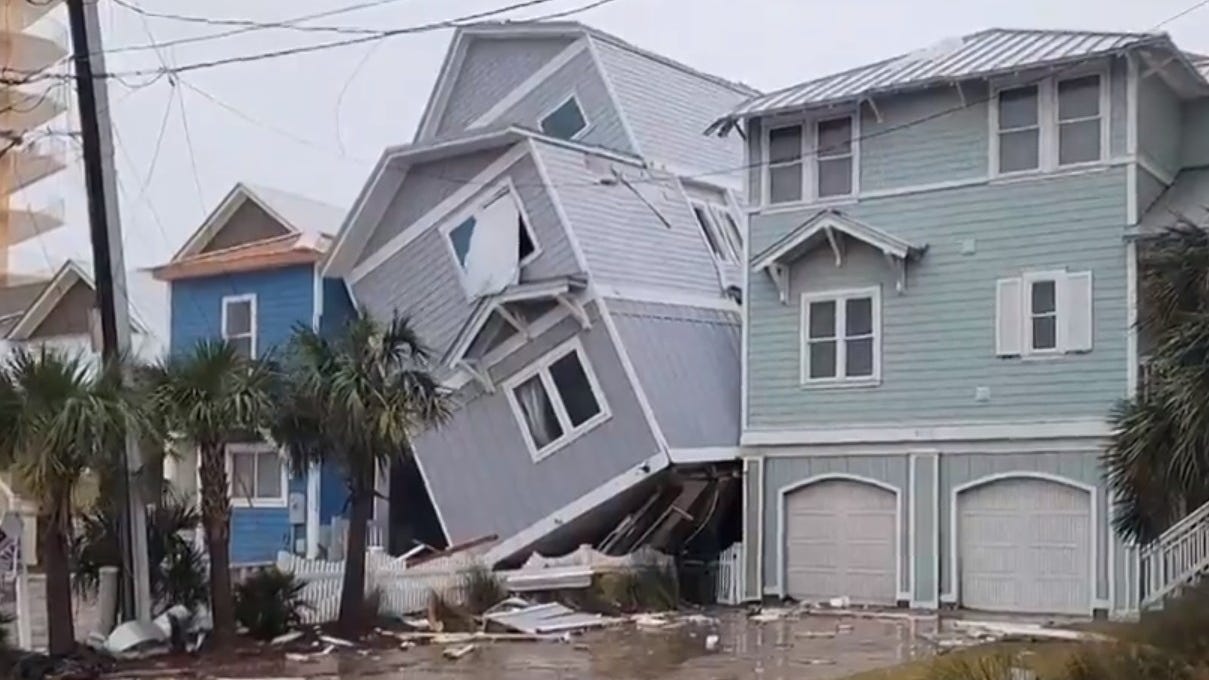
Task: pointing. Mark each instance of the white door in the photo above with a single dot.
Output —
(1025, 546)
(840, 539)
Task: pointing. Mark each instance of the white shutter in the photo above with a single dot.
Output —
(492, 260)
(1074, 312)
(1009, 317)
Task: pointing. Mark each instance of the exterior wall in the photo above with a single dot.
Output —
(1195, 137)
(422, 279)
(1149, 190)
(668, 107)
(424, 188)
(580, 77)
(248, 223)
(624, 241)
(482, 476)
(284, 297)
(338, 308)
(687, 360)
(490, 69)
(1160, 120)
(938, 337)
(257, 534)
(71, 316)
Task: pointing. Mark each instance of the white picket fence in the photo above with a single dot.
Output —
(730, 575)
(401, 591)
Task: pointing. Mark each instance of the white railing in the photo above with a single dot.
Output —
(1176, 559)
(730, 575)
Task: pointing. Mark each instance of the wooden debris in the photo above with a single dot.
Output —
(456, 653)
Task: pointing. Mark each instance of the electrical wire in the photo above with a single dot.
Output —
(249, 24)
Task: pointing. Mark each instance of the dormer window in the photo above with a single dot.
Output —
(1054, 124)
(566, 121)
(811, 161)
(720, 230)
(491, 241)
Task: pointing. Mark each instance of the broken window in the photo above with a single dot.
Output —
(721, 234)
(239, 323)
(557, 399)
(565, 122)
(492, 244)
(257, 474)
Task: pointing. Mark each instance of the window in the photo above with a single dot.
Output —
(495, 225)
(239, 323)
(257, 474)
(721, 233)
(1049, 125)
(565, 122)
(841, 339)
(556, 400)
(831, 144)
(834, 157)
(1043, 313)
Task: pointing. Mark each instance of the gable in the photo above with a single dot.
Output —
(71, 316)
(489, 70)
(247, 224)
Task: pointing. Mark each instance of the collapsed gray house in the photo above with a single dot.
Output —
(569, 245)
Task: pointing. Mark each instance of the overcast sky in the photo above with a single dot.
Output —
(315, 123)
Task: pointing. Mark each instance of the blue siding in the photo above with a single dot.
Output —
(285, 297)
(257, 534)
(333, 493)
(338, 308)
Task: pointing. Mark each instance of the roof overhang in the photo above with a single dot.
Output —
(218, 218)
(64, 279)
(561, 290)
(828, 227)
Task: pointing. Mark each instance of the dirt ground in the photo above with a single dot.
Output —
(811, 648)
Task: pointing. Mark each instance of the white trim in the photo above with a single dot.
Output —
(1131, 318)
(760, 585)
(954, 594)
(745, 317)
(541, 368)
(544, 323)
(486, 196)
(316, 298)
(245, 501)
(748, 541)
(530, 84)
(936, 501)
(314, 484)
(436, 505)
(1131, 104)
(990, 447)
(218, 218)
(665, 296)
(628, 367)
(840, 298)
(828, 222)
(969, 431)
(705, 454)
(608, 83)
(1057, 277)
(912, 458)
(254, 332)
(808, 157)
(1048, 124)
(899, 498)
(437, 214)
(575, 509)
(583, 113)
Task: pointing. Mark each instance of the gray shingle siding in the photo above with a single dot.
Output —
(623, 240)
(491, 69)
(687, 360)
(668, 109)
(1160, 121)
(425, 186)
(938, 338)
(480, 472)
(422, 279)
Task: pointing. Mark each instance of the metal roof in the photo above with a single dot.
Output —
(984, 53)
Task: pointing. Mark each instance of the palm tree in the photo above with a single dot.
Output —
(357, 400)
(1157, 463)
(59, 419)
(210, 397)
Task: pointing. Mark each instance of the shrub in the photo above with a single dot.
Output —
(974, 667)
(1180, 627)
(269, 603)
(1125, 662)
(484, 589)
(446, 616)
(635, 590)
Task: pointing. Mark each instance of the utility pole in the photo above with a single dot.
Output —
(105, 227)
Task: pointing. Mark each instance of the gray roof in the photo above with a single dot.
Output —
(304, 214)
(1187, 198)
(981, 54)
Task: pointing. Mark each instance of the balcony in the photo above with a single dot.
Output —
(24, 54)
(26, 224)
(17, 15)
(23, 109)
(25, 165)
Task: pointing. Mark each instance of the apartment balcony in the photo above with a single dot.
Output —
(23, 109)
(24, 54)
(25, 165)
(17, 15)
(30, 223)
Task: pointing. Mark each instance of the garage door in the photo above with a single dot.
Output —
(840, 539)
(1025, 546)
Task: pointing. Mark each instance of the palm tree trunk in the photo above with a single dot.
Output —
(60, 626)
(352, 591)
(216, 518)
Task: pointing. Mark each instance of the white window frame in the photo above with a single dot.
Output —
(1047, 120)
(810, 160)
(840, 297)
(583, 113)
(541, 367)
(1058, 278)
(721, 232)
(254, 331)
(241, 499)
(473, 206)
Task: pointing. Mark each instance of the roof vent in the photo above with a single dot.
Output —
(933, 52)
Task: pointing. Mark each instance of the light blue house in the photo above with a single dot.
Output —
(249, 275)
(560, 238)
(941, 290)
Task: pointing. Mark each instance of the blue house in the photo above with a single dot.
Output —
(249, 275)
(942, 287)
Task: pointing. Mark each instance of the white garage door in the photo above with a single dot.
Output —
(1025, 546)
(840, 539)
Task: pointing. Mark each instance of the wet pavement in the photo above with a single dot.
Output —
(807, 648)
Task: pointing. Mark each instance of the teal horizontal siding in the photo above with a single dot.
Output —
(938, 337)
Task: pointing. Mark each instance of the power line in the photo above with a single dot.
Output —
(250, 25)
